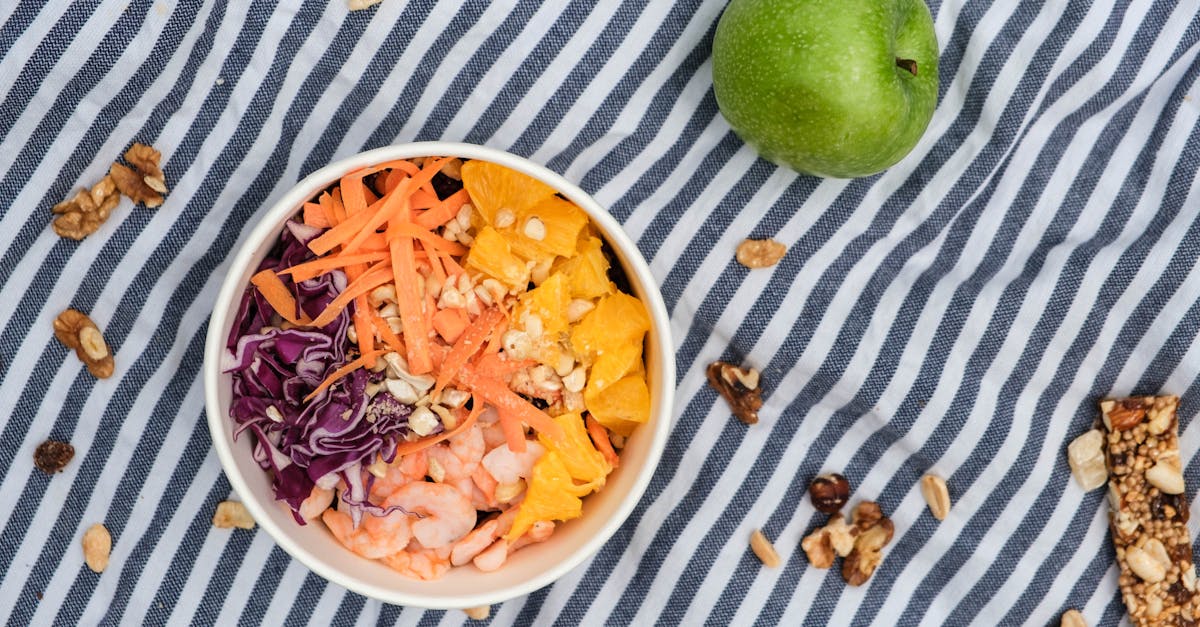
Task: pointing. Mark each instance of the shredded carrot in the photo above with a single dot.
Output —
(422, 199)
(341, 372)
(369, 194)
(379, 274)
(407, 448)
(416, 337)
(443, 211)
(435, 263)
(409, 229)
(394, 204)
(512, 408)
(279, 297)
(363, 329)
(469, 343)
(493, 366)
(354, 192)
(314, 215)
(381, 327)
(600, 439)
(337, 207)
(452, 267)
(321, 265)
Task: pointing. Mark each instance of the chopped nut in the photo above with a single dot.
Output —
(422, 421)
(232, 514)
(147, 184)
(506, 492)
(483, 611)
(937, 495)
(763, 548)
(83, 214)
(505, 218)
(818, 546)
(841, 535)
(578, 308)
(1085, 455)
(829, 492)
(1166, 476)
(861, 563)
(575, 380)
(435, 470)
(52, 456)
(535, 229)
(1123, 417)
(378, 467)
(866, 515)
(97, 546)
(1072, 618)
(732, 383)
(1150, 561)
(76, 331)
(760, 253)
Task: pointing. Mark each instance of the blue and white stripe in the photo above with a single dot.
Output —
(960, 312)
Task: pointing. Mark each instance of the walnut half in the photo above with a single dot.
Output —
(739, 387)
(75, 330)
(83, 214)
(147, 184)
(875, 531)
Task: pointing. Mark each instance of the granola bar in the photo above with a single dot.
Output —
(1149, 511)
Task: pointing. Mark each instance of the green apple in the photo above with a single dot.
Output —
(838, 88)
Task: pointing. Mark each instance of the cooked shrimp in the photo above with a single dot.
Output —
(539, 532)
(459, 456)
(317, 502)
(506, 466)
(422, 564)
(479, 500)
(474, 543)
(448, 514)
(493, 434)
(403, 470)
(376, 537)
(492, 557)
(486, 484)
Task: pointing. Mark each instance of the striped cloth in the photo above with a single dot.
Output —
(960, 313)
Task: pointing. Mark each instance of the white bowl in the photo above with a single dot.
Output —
(526, 570)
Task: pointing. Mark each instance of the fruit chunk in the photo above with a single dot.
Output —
(581, 459)
(620, 406)
(587, 272)
(494, 187)
(490, 254)
(552, 495)
(548, 302)
(561, 222)
(618, 319)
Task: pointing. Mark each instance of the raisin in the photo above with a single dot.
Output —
(52, 456)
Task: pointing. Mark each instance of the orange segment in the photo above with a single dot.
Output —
(494, 187)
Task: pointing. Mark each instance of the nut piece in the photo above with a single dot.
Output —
(739, 387)
(866, 515)
(829, 492)
(483, 611)
(763, 548)
(357, 5)
(1072, 618)
(1150, 561)
(818, 547)
(760, 253)
(1086, 458)
(858, 567)
(232, 514)
(82, 215)
(52, 456)
(147, 184)
(841, 535)
(1166, 476)
(97, 545)
(75, 330)
(937, 495)
(1124, 415)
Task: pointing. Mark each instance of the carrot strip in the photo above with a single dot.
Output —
(416, 337)
(467, 345)
(422, 199)
(363, 328)
(354, 192)
(435, 263)
(370, 194)
(381, 327)
(379, 274)
(492, 366)
(510, 406)
(341, 372)
(600, 439)
(344, 230)
(407, 448)
(336, 206)
(409, 229)
(394, 204)
(444, 210)
(317, 267)
(452, 267)
(279, 297)
(448, 324)
(314, 215)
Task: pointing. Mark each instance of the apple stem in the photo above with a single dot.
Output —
(908, 64)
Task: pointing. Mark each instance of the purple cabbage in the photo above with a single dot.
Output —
(336, 434)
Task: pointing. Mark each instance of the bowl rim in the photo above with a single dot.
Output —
(268, 225)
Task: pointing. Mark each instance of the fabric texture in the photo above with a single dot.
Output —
(960, 313)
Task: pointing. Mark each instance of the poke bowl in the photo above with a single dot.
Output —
(438, 374)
